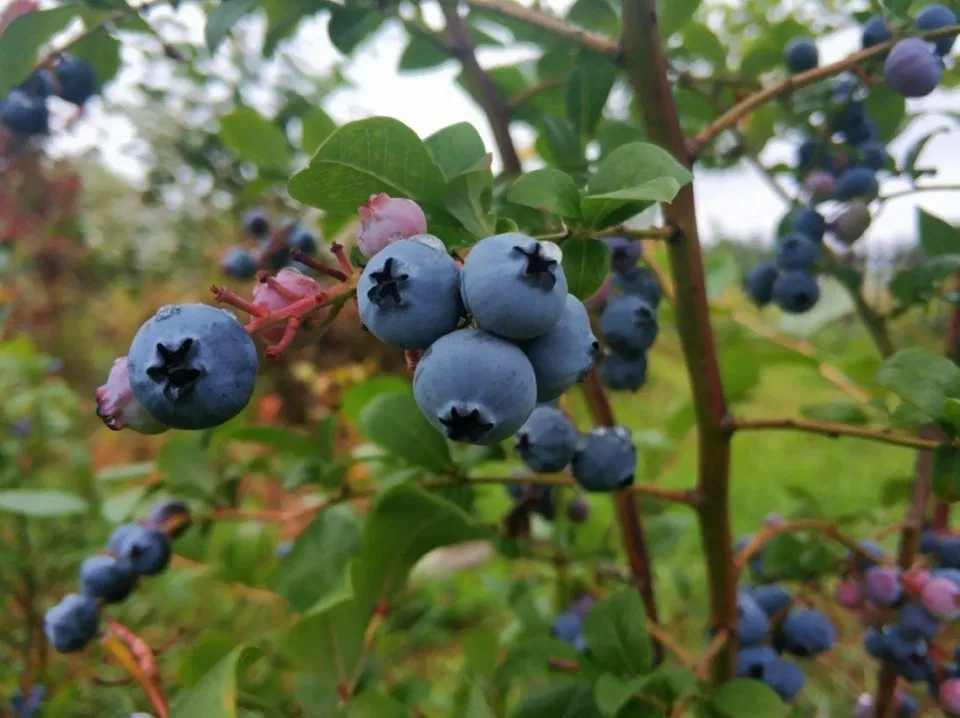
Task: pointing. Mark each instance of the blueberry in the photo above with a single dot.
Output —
(882, 585)
(624, 253)
(238, 263)
(806, 633)
(565, 354)
(640, 282)
(40, 83)
(784, 678)
(929, 542)
(299, 237)
(474, 387)
(25, 114)
(623, 373)
(582, 605)
(278, 257)
(811, 155)
(796, 292)
(172, 516)
(76, 80)
(819, 186)
(875, 644)
(941, 598)
(850, 114)
(72, 623)
(605, 459)
(117, 406)
(256, 223)
(578, 510)
(948, 552)
(752, 623)
(629, 324)
(760, 282)
(385, 219)
(915, 623)
(853, 222)
(753, 660)
(801, 55)
(875, 556)
(567, 626)
(192, 366)
(771, 599)
(933, 17)
(860, 133)
(857, 182)
(119, 536)
(547, 440)
(147, 550)
(912, 68)
(875, 32)
(514, 285)
(409, 294)
(874, 155)
(809, 222)
(797, 252)
(107, 577)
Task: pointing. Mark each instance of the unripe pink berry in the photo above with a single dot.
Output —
(882, 585)
(819, 186)
(119, 408)
(283, 289)
(941, 598)
(385, 219)
(849, 593)
(950, 695)
(914, 579)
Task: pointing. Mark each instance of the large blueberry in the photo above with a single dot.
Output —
(409, 293)
(796, 292)
(192, 366)
(801, 55)
(641, 282)
(147, 550)
(857, 182)
(25, 114)
(912, 68)
(547, 440)
(514, 285)
(107, 577)
(605, 459)
(563, 356)
(76, 80)
(623, 373)
(933, 17)
(796, 251)
(806, 633)
(473, 386)
(629, 324)
(759, 283)
(72, 623)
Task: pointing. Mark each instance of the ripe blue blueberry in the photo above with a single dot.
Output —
(640, 282)
(850, 113)
(409, 294)
(948, 551)
(172, 516)
(192, 366)
(106, 577)
(76, 80)
(25, 114)
(40, 83)
(805, 633)
(796, 252)
(875, 644)
(796, 292)
(784, 678)
(772, 599)
(624, 253)
(813, 155)
(629, 324)
(623, 373)
(875, 556)
(916, 623)
(929, 542)
(912, 68)
(119, 536)
(567, 626)
(256, 223)
(238, 263)
(474, 387)
(72, 623)
(147, 550)
(299, 237)
(857, 182)
(861, 132)
(605, 459)
(874, 155)
(514, 285)
(752, 623)
(933, 17)
(759, 283)
(808, 221)
(563, 356)
(875, 31)
(547, 440)
(278, 256)
(801, 55)
(753, 660)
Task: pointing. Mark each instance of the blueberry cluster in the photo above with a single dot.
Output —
(24, 111)
(628, 320)
(568, 626)
(273, 248)
(914, 66)
(133, 551)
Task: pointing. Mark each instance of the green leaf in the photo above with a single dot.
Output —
(422, 54)
(186, 465)
(922, 378)
(101, 51)
(127, 472)
(21, 42)
(587, 92)
(559, 144)
(746, 698)
(481, 645)
(951, 412)
(632, 172)
(41, 502)
(222, 18)
(477, 706)
(375, 705)
(468, 199)
(616, 632)
(456, 149)
(918, 284)
(912, 155)
(844, 412)
(317, 127)
(120, 506)
(395, 422)
(672, 15)
(316, 566)
(350, 26)
(215, 696)
(596, 15)
(365, 157)
(282, 441)
(586, 264)
(359, 395)
(888, 108)
(547, 190)
(946, 473)
(559, 699)
(612, 693)
(203, 657)
(700, 41)
(255, 139)
(937, 236)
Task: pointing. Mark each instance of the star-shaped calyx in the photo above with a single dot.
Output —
(465, 425)
(385, 292)
(173, 369)
(644, 316)
(540, 269)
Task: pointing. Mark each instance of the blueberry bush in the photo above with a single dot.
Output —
(468, 527)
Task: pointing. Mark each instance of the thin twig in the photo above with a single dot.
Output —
(835, 430)
(826, 528)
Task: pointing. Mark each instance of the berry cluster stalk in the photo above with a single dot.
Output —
(646, 68)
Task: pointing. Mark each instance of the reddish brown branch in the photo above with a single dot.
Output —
(835, 430)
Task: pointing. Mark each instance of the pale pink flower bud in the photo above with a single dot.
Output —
(385, 219)
(119, 408)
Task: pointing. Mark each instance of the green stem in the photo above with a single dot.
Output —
(646, 68)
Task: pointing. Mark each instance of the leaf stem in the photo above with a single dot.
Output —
(835, 430)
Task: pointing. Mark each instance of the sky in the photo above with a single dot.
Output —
(735, 203)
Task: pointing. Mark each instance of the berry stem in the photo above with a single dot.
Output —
(336, 249)
(835, 430)
(222, 295)
(125, 657)
(646, 69)
(317, 265)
